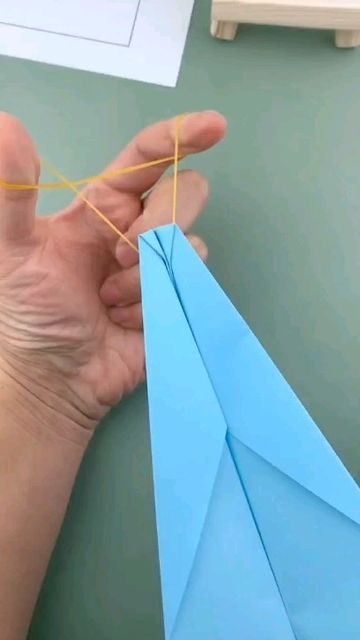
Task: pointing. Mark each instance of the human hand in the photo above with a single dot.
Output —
(70, 311)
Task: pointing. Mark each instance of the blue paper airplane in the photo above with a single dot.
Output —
(258, 521)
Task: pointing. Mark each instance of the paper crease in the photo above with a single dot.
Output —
(172, 277)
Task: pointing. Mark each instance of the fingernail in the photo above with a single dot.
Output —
(196, 242)
(200, 248)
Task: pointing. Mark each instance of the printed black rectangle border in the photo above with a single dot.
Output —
(70, 35)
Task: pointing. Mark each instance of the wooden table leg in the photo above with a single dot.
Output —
(347, 39)
(223, 29)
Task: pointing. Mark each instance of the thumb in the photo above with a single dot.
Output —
(19, 163)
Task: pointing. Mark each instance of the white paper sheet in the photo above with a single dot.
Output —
(137, 39)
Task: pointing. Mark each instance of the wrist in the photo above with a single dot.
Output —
(40, 409)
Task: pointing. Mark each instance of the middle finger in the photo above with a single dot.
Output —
(123, 288)
(192, 197)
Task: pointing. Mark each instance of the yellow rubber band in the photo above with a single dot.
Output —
(49, 186)
(64, 183)
(176, 165)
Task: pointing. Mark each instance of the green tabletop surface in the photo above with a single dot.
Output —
(282, 226)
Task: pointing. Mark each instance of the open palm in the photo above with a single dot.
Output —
(70, 311)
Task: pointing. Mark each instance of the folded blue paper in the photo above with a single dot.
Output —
(258, 520)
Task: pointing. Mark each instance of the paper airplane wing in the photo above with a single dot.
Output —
(258, 521)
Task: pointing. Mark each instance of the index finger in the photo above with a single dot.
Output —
(199, 131)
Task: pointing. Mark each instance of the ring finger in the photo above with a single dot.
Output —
(123, 289)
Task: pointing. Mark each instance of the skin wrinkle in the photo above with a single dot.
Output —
(64, 360)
